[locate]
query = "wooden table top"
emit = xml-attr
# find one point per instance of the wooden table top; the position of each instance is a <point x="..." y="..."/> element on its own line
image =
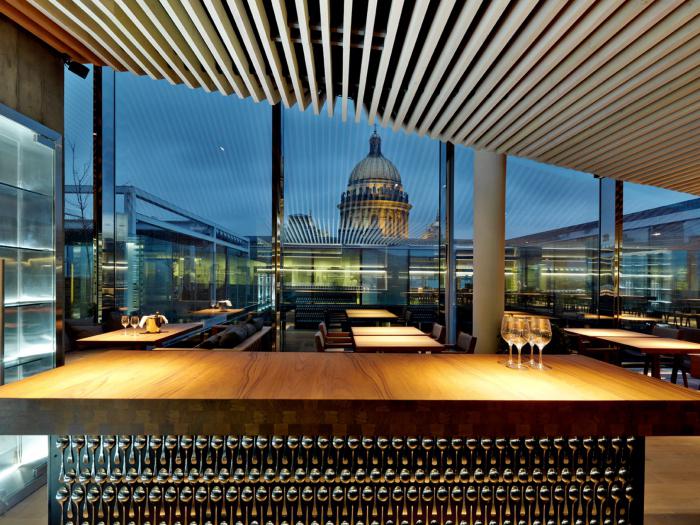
<point x="118" y="336"/>
<point x="216" y="311"/>
<point x="369" y="313"/>
<point x="184" y="392"/>
<point x="598" y="333"/>
<point x="656" y="345"/>
<point x="396" y="343"/>
<point x="386" y="330"/>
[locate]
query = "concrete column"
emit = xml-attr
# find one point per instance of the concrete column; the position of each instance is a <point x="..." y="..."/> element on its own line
<point x="489" y="247"/>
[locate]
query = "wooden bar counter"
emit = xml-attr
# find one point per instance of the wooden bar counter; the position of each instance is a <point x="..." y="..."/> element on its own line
<point x="268" y="438"/>
<point x="182" y="392"/>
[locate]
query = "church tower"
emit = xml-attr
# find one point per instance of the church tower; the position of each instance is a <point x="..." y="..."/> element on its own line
<point x="374" y="208"/>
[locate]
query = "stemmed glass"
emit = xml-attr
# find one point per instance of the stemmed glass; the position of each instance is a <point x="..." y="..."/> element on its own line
<point x="532" y="339"/>
<point x="125" y="323"/>
<point x="134" y="323"/>
<point x="506" y="334"/>
<point x="520" y="335"/>
<point x="543" y="335"/>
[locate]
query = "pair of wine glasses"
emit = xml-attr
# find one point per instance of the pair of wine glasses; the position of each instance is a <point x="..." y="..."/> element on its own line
<point x="519" y="331"/>
<point x="133" y="321"/>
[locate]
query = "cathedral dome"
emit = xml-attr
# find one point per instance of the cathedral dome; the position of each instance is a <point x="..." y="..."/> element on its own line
<point x="374" y="167"/>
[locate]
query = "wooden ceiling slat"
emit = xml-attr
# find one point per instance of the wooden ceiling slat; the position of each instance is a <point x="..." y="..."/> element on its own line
<point x="366" y="50"/>
<point x="676" y="178"/>
<point x="546" y="52"/>
<point x="212" y="40"/>
<point x="467" y="99"/>
<point x="303" y="17"/>
<point x="247" y="32"/>
<point x="409" y="43"/>
<point x="451" y="95"/>
<point x="23" y="14"/>
<point x="262" y="25"/>
<point x="480" y="35"/>
<point x="464" y="20"/>
<point x="142" y="25"/>
<point x="113" y="37"/>
<point x="387" y="49"/>
<point x="613" y="35"/>
<point x="70" y="25"/>
<point x="165" y="26"/>
<point x="82" y="19"/>
<point x="345" y="87"/>
<point x="624" y="146"/>
<point x="325" y="8"/>
<point x="130" y="35"/>
<point x="655" y="79"/>
<point x="178" y="13"/>
<point x="233" y="45"/>
<point x="631" y="151"/>
<point x="661" y="40"/>
<point x="607" y="87"/>
<point x="674" y="104"/>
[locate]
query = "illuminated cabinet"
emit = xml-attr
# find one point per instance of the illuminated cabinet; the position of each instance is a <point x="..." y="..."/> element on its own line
<point x="30" y="162"/>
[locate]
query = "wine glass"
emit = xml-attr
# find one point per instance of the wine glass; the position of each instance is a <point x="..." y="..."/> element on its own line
<point x="506" y="334"/>
<point x="543" y="330"/>
<point x="134" y="323"/>
<point x="520" y="335"/>
<point x="125" y="323"/>
<point x="532" y="339"/>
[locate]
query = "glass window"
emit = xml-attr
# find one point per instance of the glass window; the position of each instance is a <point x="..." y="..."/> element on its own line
<point x="551" y="239"/>
<point x="464" y="235"/>
<point x="193" y="176"/>
<point x="659" y="272"/>
<point x="361" y="222"/>
<point x="80" y="296"/>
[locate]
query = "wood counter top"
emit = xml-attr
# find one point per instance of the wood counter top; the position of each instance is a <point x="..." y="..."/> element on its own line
<point x="220" y="392"/>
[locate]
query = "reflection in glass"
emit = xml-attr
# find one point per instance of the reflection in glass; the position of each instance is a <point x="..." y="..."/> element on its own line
<point x="361" y="224"/>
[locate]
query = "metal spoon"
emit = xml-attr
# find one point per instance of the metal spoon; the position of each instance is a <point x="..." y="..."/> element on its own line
<point x="62" y="495"/>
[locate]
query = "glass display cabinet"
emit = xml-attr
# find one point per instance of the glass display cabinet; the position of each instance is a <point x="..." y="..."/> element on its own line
<point x="30" y="166"/>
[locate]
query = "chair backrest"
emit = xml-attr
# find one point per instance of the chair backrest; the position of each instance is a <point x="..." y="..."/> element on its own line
<point x="466" y="343"/>
<point x="665" y="331"/>
<point x="407" y="316"/>
<point x="319" y="342"/>
<point x="438" y="332"/>
<point x="322" y="328"/>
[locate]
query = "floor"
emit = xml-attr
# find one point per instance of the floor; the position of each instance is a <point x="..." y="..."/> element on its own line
<point x="672" y="495"/>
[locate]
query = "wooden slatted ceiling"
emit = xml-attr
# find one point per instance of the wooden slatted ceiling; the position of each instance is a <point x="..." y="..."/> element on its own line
<point x="609" y="87"/>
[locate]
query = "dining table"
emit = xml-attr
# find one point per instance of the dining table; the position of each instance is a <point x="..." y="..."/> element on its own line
<point x="139" y="339"/>
<point x="597" y="333"/>
<point x="386" y="330"/>
<point x="396" y="344"/>
<point x="655" y="347"/>
<point x="369" y="315"/>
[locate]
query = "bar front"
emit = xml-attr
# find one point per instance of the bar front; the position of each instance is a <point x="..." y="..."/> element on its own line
<point x="190" y="437"/>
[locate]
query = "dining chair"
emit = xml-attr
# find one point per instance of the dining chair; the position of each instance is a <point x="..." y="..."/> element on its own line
<point x="438" y="332"/>
<point x="324" y="345"/>
<point x="334" y="336"/>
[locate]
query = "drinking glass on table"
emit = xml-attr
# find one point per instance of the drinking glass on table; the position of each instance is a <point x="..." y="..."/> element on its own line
<point x="543" y="335"/>
<point x="134" y="323"/>
<point x="520" y="335"/>
<point x="506" y="334"/>
<point x="532" y="339"/>
<point x="125" y="323"/>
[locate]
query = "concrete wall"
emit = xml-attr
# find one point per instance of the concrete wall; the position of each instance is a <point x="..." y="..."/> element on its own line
<point x="31" y="76"/>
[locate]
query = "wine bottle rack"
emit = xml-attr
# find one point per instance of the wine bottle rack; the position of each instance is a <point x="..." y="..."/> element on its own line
<point x="345" y="480"/>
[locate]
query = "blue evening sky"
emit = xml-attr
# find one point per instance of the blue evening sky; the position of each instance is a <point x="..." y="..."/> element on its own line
<point x="210" y="154"/>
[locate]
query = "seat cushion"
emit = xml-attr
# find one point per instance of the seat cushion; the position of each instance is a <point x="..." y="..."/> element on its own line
<point x="258" y="322"/>
<point x="209" y="343"/>
<point x="251" y="328"/>
<point x="233" y="336"/>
